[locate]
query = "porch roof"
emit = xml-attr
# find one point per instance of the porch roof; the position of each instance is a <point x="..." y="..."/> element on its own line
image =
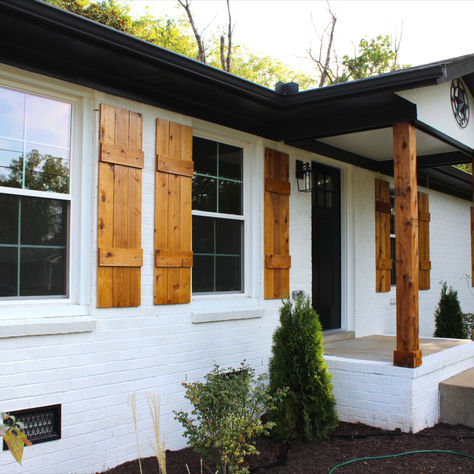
<point x="44" y="39"/>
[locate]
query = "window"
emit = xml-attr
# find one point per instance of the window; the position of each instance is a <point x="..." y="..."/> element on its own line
<point x="217" y="220"/>
<point x="35" y="198"/>
<point x="393" y="276"/>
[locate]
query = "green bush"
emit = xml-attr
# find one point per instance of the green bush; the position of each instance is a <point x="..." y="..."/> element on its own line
<point x="448" y="315"/>
<point x="468" y="321"/>
<point x="226" y="416"/>
<point x="308" y="409"/>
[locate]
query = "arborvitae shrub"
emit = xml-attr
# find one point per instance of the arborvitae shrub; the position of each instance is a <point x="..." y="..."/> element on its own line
<point x="308" y="409"/>
<point x="448" y="314"/>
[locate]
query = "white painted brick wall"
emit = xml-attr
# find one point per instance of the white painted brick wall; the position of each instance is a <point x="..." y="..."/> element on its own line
<point x="156" y="348"/>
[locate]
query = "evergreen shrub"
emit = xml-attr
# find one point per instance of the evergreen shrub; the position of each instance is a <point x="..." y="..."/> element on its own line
<point x="297" y="364"/>
<point x="448" y="315"/>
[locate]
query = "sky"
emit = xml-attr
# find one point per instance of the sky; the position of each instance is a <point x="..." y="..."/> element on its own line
<point x="431" y="30"/>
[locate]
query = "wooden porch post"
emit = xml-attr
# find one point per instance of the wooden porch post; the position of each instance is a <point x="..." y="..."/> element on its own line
<point x="407" y="353"/>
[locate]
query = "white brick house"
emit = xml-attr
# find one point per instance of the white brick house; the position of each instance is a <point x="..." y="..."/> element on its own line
<point x="61" y="346"/>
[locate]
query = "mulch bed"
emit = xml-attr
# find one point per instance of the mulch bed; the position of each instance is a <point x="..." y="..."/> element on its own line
<point x="349" y="441"/>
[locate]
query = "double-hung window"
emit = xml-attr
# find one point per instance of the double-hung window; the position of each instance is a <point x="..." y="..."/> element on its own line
<point x="35" y="197"/>
<point x="218" y="219"/>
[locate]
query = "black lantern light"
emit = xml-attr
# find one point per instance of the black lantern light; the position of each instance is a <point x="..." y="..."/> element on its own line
<point x="303" y="176"/>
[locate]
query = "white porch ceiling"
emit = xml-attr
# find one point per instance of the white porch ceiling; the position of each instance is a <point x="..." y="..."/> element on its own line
<point x="378" y="144"/>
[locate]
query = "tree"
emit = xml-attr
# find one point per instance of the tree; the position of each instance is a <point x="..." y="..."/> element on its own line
<point x="308" y="409"/>
<point x="376" y="56"/>
<point x="172" y="34"/>
<point x="448" y="315"/>
<point x="467" y="167"/>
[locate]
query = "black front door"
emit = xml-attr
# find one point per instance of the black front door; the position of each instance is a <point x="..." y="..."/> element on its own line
<point x="326" y="245"/>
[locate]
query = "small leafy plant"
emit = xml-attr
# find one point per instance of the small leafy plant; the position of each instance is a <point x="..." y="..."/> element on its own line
<point x="226" y="416"/>
<point x="13" y="433"/>
<point x="448" y="315"/>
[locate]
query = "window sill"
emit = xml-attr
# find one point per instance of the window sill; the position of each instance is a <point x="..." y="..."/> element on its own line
<point x="48" y="319"/>
<point x="250" y="313"/>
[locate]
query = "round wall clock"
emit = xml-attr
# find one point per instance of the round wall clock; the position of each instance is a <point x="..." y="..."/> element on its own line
<point x="460" y="103"/>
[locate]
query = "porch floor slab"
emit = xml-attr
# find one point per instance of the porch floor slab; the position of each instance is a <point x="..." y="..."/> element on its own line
<point x="380" y="348"/>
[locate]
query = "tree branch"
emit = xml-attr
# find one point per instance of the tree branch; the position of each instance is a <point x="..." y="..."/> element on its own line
<point x="186" y="4"/>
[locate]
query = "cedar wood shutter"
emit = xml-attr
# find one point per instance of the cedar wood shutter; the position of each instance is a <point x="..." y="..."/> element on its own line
<point x="382" y="236"/>
<point x="277" y="225"/>
<point x="173" y="198"/>
<point x="119" y="208"/>
<point x="472" y="244"/>
<point x="424" y="240"/>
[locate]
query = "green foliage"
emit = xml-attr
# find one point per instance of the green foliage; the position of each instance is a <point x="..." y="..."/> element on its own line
<point x="448" y="315"/>
<point x="468" y="321"/>
<point x="226" y="416"/>
<point x="13" y="433"/>
<point x="467" y="167"/>
<point x="308" y="410"/>
<point x="107" y="12"/>
<point x="376" y="56"/>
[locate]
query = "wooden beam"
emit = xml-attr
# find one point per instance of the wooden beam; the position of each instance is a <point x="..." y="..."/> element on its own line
<point x="407" y="353"/>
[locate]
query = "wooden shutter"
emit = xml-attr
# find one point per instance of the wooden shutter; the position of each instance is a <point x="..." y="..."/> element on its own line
<point x="119" y="208"/>
<point x="382" y="236"/>
<point x="424" y="240"/>
<point x="472" y="242"/>
<point x="173" y="187"/>
<point x="277" y="225"/>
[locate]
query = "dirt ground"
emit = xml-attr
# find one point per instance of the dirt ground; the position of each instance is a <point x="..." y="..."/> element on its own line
<point x="349" y="441"/>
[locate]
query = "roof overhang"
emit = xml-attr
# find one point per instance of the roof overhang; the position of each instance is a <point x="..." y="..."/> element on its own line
<point x="44" y="39"/>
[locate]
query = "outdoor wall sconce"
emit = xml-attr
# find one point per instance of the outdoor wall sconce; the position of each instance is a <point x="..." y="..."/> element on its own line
<point x="303" y="176"/>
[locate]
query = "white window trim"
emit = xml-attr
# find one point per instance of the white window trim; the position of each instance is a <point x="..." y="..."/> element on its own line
<point x="247" y="185"/>
<point x="24" y="317"/>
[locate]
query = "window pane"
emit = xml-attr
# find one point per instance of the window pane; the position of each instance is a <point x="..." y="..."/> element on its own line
<point x="12" y="113"/>
<point x="203" y="234"/>
<point x="43" y="221"/>
<point x="47" y="121"/>
<point x="205" y="156"/>
<point x="230" y="161"/>
<point x="228" y="236"/>
<point x="42" y="272"/>
<point x="8" y="219"/>
<point x="203" y="274"/>
<point x="230" y="197"/>
<point x="228" y="274"/>
<point x="11" y="163"/>
<point x="8" y="275"/>
<point x="204" y="193"/>
<point x="46" y="169"/>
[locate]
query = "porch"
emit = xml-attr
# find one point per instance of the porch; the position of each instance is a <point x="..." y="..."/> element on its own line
<point x="371" y="390"/>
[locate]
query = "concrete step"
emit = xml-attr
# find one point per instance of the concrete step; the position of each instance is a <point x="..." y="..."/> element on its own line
<point x="456" y="399"/>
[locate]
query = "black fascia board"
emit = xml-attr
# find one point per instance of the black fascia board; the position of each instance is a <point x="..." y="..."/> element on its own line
<point x="430" y="161"/>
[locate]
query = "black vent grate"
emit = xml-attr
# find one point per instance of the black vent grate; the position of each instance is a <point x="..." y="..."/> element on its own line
<point x="41" y="424"/>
